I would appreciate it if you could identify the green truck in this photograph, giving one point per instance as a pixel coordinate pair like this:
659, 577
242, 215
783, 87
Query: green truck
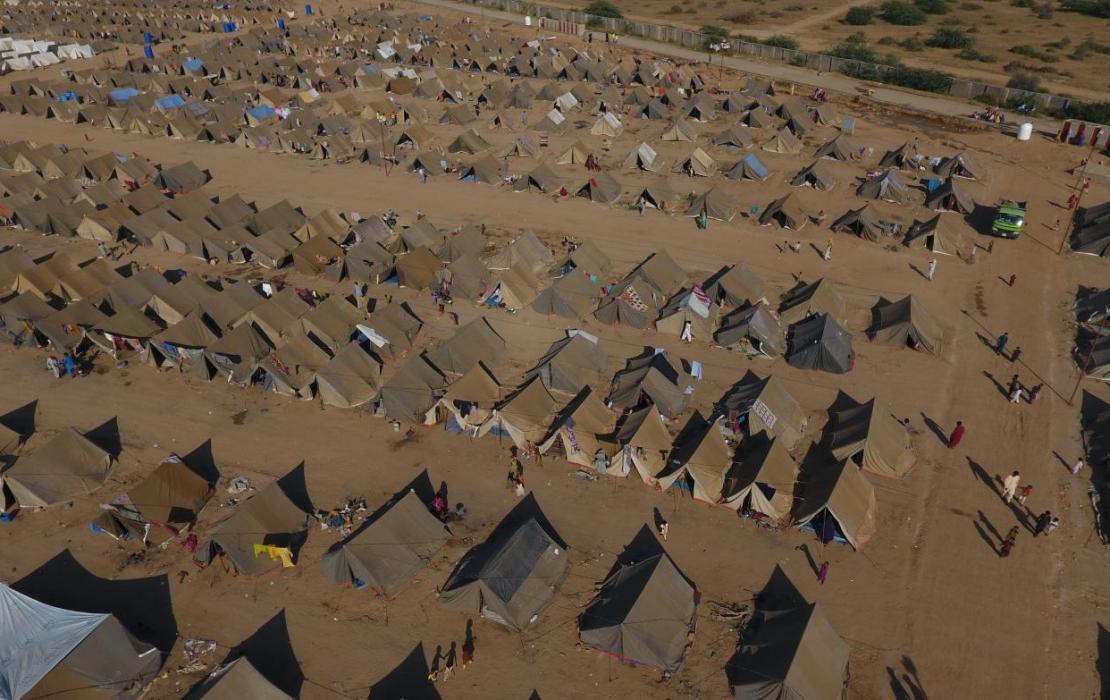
1009, 220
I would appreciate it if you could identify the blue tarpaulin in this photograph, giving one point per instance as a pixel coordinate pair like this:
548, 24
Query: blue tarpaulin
148, 38
70, 96
194, 64
756, 165
122, 94
281, 24
261, 112
308, 9
170, 102
229, 27
196, 108
148, 51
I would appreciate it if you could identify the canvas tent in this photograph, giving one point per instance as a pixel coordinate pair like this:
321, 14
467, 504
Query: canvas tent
412, 392
787, 211
470, 399
887, 186
653, 378
581, 428
643, 444
693, 307
964, 164
53, 652
838, 503
869, 435
735, 285
525, 415
349, 379
643, 157
170, 498
750, 167
572, 296
714, 203
65, 467
790, 653
237, 679
513, 575
906, 322
388, 552
633, 302
272, 521
701, 459
950, 196
602, 188
820, 343
571, 364
474, 342
806, 300
755, 330
761, 482
939, 235
644, 613
765, 406
817, 175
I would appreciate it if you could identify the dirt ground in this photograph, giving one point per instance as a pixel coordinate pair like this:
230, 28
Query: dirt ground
928, 607
995, 26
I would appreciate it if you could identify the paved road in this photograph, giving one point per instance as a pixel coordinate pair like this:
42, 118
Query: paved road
832, 82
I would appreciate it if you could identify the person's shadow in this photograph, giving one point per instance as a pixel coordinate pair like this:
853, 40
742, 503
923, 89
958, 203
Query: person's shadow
983, 529
997, 385
816, 249
1063, 461
936, 429
658, 519
809, 558
918, 270
981, 474
989, 342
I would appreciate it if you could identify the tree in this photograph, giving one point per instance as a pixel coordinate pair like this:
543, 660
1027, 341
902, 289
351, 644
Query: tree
902, 13
1024, 81
782, 42
932, 7
949, 38
859, 15
603, 8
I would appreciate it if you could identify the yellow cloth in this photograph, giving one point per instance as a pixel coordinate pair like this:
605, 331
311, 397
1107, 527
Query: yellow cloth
283, 553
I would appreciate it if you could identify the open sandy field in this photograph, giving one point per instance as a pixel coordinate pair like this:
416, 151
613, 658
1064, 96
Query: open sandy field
994, 28
928, 608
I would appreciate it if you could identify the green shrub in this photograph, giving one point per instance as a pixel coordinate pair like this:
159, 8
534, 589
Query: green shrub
1098, 112
1022, 3
1094, 8
947, 38
970, 6
603, 8
713, 35
932, 7
1027, 50
853, 51
971, 54
782, 42
1024, 81
887, 41
743, 17
902, 13
912, 44
859, 15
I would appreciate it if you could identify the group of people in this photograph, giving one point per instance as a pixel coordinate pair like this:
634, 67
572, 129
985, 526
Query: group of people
1016, 390
64, 365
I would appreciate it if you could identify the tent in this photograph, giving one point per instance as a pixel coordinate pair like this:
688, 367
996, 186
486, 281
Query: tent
1092, 305
469, 141
736, 136
526, 249
486, 169
951, 196
65, 467
790, 653
906, 322
754, 330
838, 503
680, 130
644, 444
1091, 235
870, 435
735, 285
817, 175
412, 392
787, 211
693, 307
53, 652
236, 353
870, 222
806, 300
643, 157
470, 399
634, 303
475, 342
602, 188
820, 343
525, 415
571, 364
331, 323
581, 428
270, 525
349, 379
608, 124
576, 154
170, 497
513, 575
588, 259
783, 142
390, 549
906, 157
887, 186
655, 378
761, 405
181, 178
468, 277
715, 204
761, 482
237, 679
698, 163
290, 369
701, 458
644, 613
660, 271
939, 235
964, 164
391, 329
418, 268
840, 148
572, 297
750, 167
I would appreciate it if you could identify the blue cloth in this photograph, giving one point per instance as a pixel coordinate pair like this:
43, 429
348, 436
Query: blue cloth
194, 64
123, 94
70, 96
71, 365
169, 102
261, 112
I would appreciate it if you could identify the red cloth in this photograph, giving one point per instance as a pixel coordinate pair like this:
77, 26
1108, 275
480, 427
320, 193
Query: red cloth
957, 435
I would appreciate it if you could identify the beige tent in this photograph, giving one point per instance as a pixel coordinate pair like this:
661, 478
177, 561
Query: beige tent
170, 498
67, 466
701, 458
735, 285
805, 300
762, 481
580, 428
418, 269
331, 323
471, 398
693, 307
698, 163
235, 355
680, 130
391, 329
237, 679
869, 435
572, 297
654, 378
767, 406
527, 250
643, 444
291, 368
349, 379
643, 157
576, 154
715, 204
788, 212
571, 364
475, 342
838, 503
411, 394
907, 322
940, 235
783, 142
525, 415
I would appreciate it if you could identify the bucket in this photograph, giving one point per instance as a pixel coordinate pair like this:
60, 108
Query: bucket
1025, 131
308, 9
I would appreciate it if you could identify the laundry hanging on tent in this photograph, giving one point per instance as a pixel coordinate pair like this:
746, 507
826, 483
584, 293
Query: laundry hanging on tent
283, 553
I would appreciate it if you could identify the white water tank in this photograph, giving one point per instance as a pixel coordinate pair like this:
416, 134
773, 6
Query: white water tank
1025, 131
527, 20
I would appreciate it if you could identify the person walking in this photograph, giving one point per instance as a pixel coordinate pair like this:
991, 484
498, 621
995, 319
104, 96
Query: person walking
1015, 382
687, 332
1042, 522
828, 252
1010, 486
1009, 542
932, 268
1052, 525
823, 572
1000, 343
1017, 354
1034, 392
1023, 493
957, 435
1012, 281
468, 645
1077, 466
664, 528
1015, 397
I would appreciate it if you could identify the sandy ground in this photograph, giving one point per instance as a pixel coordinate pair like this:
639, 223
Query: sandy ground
926, 604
